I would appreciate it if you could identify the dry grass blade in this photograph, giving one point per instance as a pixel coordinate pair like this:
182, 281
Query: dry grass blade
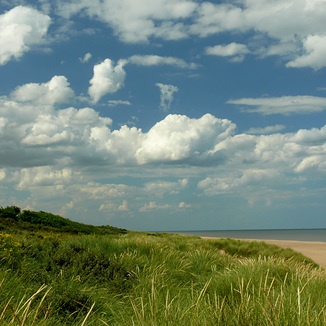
5, 308
299, 306
40, 304
89, 312
31, 298
138, 314
221, 309
102, 321
203, 291
268, 319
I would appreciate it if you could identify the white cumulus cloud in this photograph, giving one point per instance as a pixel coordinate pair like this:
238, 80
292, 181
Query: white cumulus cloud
56, 90
315, 53
311, 163
20, 29
153, 205
184, 205
2, 174
292, 29
178, 138
44, 176
112, 207
159, 188
288, 27
107, 78
137, 20
235, 50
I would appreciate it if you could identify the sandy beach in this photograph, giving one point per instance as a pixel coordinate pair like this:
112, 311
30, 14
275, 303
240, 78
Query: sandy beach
314, 250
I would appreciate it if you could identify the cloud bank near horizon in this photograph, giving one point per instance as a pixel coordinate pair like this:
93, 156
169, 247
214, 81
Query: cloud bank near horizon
50, 148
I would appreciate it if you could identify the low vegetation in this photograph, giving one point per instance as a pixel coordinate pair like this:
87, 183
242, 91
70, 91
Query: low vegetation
51, 277
13, 218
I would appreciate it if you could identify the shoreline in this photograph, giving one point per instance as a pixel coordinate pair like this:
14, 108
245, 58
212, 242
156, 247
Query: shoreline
314, 250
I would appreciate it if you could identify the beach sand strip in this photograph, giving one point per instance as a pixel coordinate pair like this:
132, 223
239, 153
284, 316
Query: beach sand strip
311, 249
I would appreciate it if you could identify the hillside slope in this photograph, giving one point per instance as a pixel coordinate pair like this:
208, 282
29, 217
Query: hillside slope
13, 218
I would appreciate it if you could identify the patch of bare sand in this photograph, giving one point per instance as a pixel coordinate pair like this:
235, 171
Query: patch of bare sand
313, 250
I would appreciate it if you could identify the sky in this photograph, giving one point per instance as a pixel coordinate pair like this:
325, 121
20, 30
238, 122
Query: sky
163, 115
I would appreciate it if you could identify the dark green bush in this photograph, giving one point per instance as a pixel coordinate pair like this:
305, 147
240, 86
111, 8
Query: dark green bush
10, 212
70, 302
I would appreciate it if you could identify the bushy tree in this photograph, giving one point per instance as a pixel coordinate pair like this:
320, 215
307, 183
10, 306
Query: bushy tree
10, 212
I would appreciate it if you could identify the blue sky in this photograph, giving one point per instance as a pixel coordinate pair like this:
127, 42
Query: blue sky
165, 114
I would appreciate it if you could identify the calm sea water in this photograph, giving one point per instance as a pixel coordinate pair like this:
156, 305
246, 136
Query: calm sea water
294, 234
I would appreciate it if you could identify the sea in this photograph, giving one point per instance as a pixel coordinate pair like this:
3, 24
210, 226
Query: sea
274, 234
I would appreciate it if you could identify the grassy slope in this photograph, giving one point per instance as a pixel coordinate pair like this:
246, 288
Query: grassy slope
132, 278
12, 218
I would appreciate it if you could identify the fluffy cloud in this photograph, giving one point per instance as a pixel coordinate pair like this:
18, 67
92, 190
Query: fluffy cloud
285, 105
111, 207
152, 205
167, 92
279, 19
68, 126
34, 134
20, 29
287, 153
235, 50
2, 174
249, 178
107, 78
60, 152
53, 147
178, 138
3, 123
311, 164
159, 188
291, 25
315, 53
136, 21
211, 19
99, 191
44, 176
311, 137
78, 136
57, 90
183, 205
288, 27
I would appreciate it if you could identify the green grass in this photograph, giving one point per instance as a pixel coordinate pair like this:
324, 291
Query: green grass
155, 279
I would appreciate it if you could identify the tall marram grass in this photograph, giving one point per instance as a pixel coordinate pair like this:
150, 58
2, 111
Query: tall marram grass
155, 279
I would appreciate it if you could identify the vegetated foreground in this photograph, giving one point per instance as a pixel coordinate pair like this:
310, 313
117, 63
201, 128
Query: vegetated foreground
129, 278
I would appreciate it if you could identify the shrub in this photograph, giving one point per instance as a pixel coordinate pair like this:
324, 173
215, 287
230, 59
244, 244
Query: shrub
11, 212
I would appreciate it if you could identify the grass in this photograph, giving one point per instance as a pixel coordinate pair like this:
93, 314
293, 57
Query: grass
155, 279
